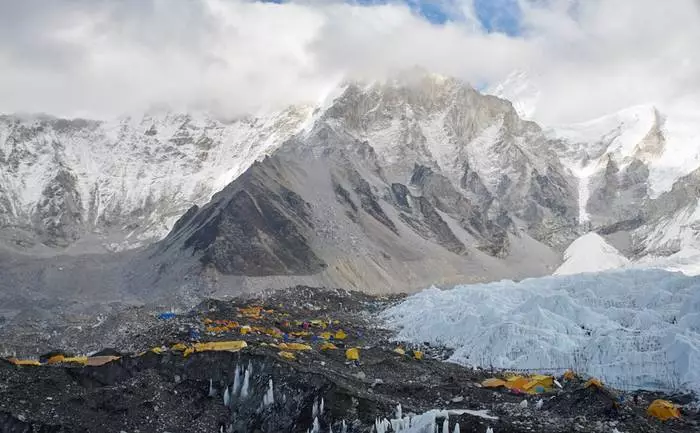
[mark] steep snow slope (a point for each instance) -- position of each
(590, 253)
(125, 181)
(633, 329)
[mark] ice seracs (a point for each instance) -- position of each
(631, 328)
(269, 397)
(245, 388)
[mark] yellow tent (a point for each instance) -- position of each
(227, 346)
(417, 354)
(663, 410)
(539, 383)
(100, 360)
(328, 346)
(294, 346)
(83, 360)
(593, 382)
(400, 351)
(352, 354)
(56, 359)
(287, 355)
(516, 382)
(340, 335)
(24, 362)
(493, 383)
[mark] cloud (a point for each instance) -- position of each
(98, 58)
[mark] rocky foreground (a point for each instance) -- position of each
(294, 375)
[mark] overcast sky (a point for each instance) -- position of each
(100, 58)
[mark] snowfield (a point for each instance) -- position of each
(634, 329)
(591, 253)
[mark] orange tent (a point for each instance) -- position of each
(663, 410)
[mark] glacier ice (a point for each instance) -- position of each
(314, 409)
(269, 397)
(227, 398)
(427, 422)
(237, 380)
(245, 388)
(631, 328)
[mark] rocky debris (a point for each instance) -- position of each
(255, 227)
(257, 389)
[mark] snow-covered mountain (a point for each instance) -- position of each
(394, 185)
(122, 183)
(388, 186)
(637, 170)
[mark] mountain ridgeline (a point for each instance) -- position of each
(388, 187)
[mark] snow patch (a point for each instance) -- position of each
(590, 253)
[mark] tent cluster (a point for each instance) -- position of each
(316, 329)
(417, 354)
(289, 336)
(534, 384)
(59, 359)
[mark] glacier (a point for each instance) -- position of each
(634, 329)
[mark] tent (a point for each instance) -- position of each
(593, 382)
(24, 362)
(538, 383)
(352, 354)
(493, 383)
(95, 361)
(663, 410)
(516, 382)
(294, 346)
(287, 355)
(228, 346)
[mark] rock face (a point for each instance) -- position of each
(255, 227)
